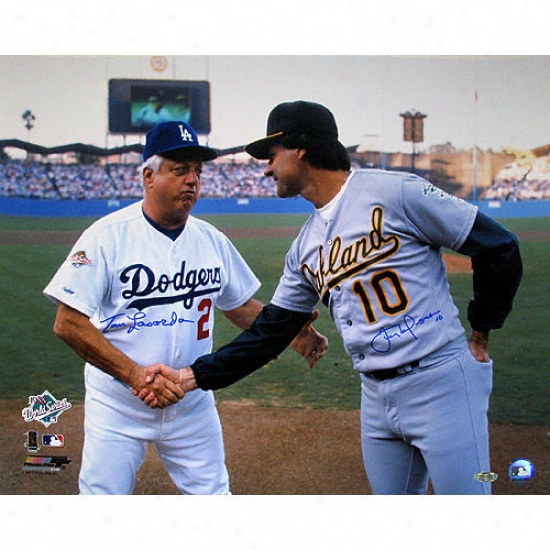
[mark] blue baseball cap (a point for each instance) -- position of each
(172, 137)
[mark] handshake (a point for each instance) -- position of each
(160, 386)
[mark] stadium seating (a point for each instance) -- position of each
(121, 181)
(520, 180)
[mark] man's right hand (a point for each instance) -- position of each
(176, 381)
(479, 346)
(157, 385)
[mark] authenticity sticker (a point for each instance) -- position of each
(31, 443)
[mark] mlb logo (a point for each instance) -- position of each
(53, 440)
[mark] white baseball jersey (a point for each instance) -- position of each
(374, 257)
(152, 297)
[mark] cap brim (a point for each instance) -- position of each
(260, 149)
(204, 153)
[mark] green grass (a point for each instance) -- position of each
(526, 224)
(255, 220)
(32, 359)
(15, 223)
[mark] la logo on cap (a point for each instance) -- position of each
(185, 135)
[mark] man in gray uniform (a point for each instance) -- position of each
(372, 253)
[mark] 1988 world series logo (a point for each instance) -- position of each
(45, 408)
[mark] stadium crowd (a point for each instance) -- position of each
(19, 178)
(520, 181)
(120, 181)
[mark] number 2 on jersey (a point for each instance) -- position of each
(203, 330)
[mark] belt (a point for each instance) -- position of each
(386, 374)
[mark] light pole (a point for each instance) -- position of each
(29, 119)
(413, 130)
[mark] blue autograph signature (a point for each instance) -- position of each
(139, 322)
(382, 342)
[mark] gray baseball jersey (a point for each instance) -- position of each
(374, 257)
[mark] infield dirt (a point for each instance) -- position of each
(269, 451)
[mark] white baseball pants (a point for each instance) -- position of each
(118, 427)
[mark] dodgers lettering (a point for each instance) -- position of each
(143, 282)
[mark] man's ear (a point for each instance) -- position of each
(301, 153)
(148, 176)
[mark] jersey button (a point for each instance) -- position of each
(337, 288)
(361, 356)
(350, 322)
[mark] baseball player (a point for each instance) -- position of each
(140, 288)
(153, 112)
(372, 254)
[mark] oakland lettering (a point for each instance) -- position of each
(344, 262)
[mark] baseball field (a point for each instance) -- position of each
(288, 429)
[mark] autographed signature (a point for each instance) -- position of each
(139, 321)
(382, 342)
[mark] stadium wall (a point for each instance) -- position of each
(98, 208)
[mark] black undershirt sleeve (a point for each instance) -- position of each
(270, 334)
(497, 271)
